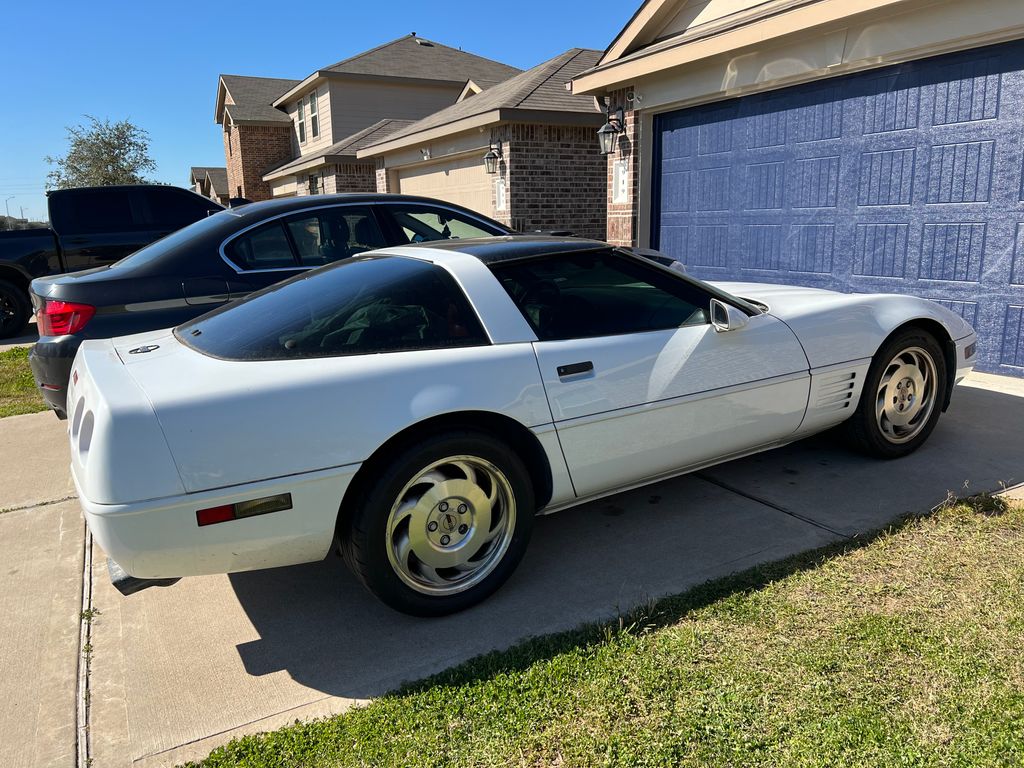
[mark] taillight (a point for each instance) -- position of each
(59, 318)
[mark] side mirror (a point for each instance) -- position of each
(726, 317)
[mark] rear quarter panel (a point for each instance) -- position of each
(230, 422)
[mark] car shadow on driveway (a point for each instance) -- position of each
(602, 559)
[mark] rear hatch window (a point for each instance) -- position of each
(364, 305)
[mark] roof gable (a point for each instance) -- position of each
(249, 99)
(418, 58)
(539, 89)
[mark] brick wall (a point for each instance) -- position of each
(381, 176)
(557, 178)
(249, 151)
(622, 217)
(350, 177)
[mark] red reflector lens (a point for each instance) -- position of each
(59, 318)
(213, 515)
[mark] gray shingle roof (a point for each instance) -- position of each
(541, 88)
(348, 146)
(253, 97)
(198, 172)
(218, 180)
(405, 57)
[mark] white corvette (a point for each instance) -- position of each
(418, 405)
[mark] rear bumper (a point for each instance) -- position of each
(50, 360)
(161, 539)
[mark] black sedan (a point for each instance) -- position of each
(221, 258)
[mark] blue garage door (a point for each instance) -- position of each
(906, 179)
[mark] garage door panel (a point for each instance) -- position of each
(905, 179)
(462, 180)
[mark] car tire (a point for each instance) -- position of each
(903, 396)
(15, 310)
(441, 524)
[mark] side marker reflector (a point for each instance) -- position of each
(225, 512)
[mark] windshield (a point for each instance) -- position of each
(165, 245)
(365, 305)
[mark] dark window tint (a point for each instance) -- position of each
(423, 223)
(600, 293)
(93, 212)
(265, 247)
(169, 209)
(361, 306)
(332, 234)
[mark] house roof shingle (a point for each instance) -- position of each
(539, 89)
(416, 57)
(218, 180)
(347, 147)
(253, 97)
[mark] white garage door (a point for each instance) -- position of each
(461, 180)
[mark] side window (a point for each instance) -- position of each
(94, 212)
(170, 210)
(301, 121)
(422, 223)
(263, 248)
(600, 293)
(367, 305)
(332, 234)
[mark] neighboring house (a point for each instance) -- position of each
(548, 172)
(320, 121)
(210, 182)
(869, 146)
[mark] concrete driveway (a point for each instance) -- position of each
(175, 672)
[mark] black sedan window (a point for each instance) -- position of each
(599, 293)
(361, 306)
(265, 247)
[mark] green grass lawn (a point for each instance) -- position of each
(17, 389)
(903, 649)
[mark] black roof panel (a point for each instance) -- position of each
(491, 250)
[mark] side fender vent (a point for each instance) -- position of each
(834, 393)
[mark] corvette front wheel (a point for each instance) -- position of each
(443, 525)
(903, 396)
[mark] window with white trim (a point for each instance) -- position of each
(302, 121)
(314, 117)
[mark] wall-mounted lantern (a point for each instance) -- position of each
(608, 134)
(492, 158)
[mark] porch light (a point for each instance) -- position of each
(608, 134)
(492, 158)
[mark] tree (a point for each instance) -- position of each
(100, 154)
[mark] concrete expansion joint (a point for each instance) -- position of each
(765, 502)
(85, 650)
(37, 504)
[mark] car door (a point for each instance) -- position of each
(639, 382)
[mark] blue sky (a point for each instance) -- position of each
(157, 63)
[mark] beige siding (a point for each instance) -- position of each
(461, 180)
(283, 187)
(356, 105)
(325, 138)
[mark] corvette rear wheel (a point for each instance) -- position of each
(902, 397)
(443, 525)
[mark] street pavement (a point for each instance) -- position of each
(175, 672)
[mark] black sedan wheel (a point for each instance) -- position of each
(15, 310)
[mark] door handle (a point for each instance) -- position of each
(573, 368)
